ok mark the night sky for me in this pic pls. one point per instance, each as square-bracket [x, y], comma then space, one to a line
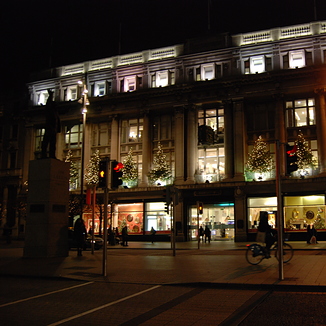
[39, 34]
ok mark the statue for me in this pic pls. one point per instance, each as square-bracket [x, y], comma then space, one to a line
[52, 127]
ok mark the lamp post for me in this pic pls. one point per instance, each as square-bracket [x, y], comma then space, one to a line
[85, 102]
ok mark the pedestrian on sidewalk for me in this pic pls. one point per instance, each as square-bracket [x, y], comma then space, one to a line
[311, 234]
[153, 232]
[201, 233]
[80, 234]
[125, 236]
[207, 234]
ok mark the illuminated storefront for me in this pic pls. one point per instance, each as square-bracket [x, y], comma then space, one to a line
[299, 212]
[218, 217]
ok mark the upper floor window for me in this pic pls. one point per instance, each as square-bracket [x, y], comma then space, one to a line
[297, 59]
[294, 59]
[211, 125]
[162, 127]
[130, 84]
[300, 112]
[257, 65]
[101, 134]
[132, 130]
[39, 133]
[42, 97]
[99, 89]
[162, 79]
[73, 136]
[71, 93]
[207, 72]
[204, 72]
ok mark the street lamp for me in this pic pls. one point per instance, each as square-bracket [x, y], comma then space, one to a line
[84, 100]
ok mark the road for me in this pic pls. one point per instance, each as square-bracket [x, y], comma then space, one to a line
[33, 301]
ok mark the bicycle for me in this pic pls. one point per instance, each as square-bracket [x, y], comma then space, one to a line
[255, 253]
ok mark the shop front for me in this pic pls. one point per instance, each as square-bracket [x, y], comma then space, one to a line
[219, 217]
[299, 212]
[139, 217]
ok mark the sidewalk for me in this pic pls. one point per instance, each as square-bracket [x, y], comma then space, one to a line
[221, 262]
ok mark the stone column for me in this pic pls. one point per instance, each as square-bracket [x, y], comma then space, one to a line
[192, 136]
[239, 140]
[228, 141]
[146, 151]
[115, 149]
[240, 215]
[280, 131]
[179, 146]
[321, 130]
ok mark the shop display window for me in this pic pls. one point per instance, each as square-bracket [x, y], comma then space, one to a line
[157, 217]
[301, 211]
[218, 217]
[256, 205]
[130, 215]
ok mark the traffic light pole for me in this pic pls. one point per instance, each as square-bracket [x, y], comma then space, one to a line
[279, 211]
[105, 231]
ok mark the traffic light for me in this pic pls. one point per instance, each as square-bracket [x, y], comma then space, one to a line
[167, 208]
[200, 208]
[103, 174]
[167, 195]
[291, 159]
[116, 174]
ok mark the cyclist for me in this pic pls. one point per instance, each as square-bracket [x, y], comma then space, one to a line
[267, 229]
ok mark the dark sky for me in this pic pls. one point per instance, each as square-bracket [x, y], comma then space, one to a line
[38, 34]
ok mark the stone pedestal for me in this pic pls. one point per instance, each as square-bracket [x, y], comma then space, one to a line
[46, 232]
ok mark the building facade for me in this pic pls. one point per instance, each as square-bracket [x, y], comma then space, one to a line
[205, 103]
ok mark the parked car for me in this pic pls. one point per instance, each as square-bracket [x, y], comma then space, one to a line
[98, 242]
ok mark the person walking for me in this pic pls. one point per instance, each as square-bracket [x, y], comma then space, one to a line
[201, 233]
[80, 235]
[153, 232]
[124, 236]
[207, 234]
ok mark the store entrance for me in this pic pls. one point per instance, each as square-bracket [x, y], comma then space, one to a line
[218, 217]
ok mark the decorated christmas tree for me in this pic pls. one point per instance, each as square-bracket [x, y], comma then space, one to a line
[73, 171]
[260, 159]
[92, 170]
[129, 170]
[305, 158]
[161, 170]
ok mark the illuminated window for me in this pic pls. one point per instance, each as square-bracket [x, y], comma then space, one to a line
[300, 112]
[212, 118]
[157, 217]
[130, 84]
[296, 59]
[42, 97]
[138, 160]
[211, 164]
[72, 93]
[208, 72]
[132, 131]
[257, 65]
[73, 136]
[162, 79]
[99, 89]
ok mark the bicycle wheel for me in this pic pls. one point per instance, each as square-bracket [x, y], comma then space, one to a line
[287, 252]
[254, 254]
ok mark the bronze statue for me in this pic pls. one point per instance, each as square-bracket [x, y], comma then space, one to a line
[52, 127]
